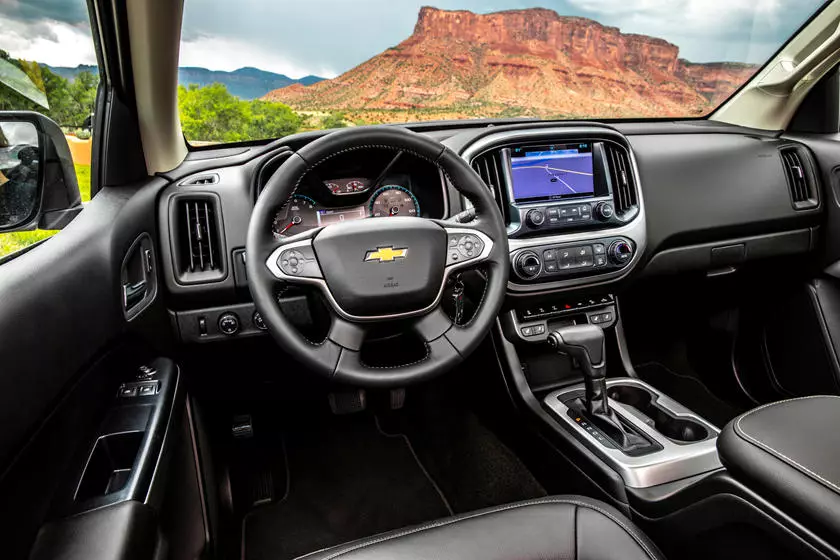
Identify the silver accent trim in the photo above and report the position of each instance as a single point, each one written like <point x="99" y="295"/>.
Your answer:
<point x="674" y="462"/>
<point x="271" y="264"/>
<point x="212" y="175"/>
<point x="636" y="230"/>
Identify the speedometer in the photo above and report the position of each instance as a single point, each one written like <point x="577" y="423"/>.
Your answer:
<point x="297" y="215"/>
<point x="393" y="200"/>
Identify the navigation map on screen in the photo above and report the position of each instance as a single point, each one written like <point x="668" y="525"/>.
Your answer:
<point x="558" y="172"/>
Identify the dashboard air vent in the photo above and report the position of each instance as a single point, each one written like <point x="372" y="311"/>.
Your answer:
<point x="198" y="239"/>
<point x="489" y="168"/>
<point x="624" y="189"/>
<point x="209" y="179"/>
<point x="800" y="179"/>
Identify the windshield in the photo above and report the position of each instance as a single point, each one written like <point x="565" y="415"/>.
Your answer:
<point x="253" y="69"/>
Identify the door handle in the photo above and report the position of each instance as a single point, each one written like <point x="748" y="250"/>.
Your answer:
<point x="133" y="294"/>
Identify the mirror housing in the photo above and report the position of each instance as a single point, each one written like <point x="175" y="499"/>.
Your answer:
<point x="43" y="189"/>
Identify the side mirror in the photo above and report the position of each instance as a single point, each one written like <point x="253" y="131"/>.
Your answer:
<point x="38" y="187"/>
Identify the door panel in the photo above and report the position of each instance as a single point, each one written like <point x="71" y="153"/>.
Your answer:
<point x="66" y="344"/>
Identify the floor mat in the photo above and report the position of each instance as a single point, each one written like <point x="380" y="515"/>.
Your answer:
<point x="472" y="467"/>
<point x="690" y="392"/>
<point x="346" y="480"/>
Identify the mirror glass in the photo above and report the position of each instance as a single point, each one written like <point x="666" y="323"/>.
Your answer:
<point x="19" y="172"/>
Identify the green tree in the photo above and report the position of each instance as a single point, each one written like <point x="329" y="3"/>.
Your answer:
<point x="82" y="96"/>
<point x="70" y="102"/>
<point x="212" y="114"/>
<point x="333" y="120"/>
<point x="271" y="120"/>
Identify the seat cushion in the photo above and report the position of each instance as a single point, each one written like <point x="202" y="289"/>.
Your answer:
<point x="788" y="452"/>
<point x="558" y="528"/>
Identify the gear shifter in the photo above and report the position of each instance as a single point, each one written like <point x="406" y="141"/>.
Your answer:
<point x="585" y="343"/>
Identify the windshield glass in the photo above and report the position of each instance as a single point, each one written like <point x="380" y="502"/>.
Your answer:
<point x="252" y="69"/>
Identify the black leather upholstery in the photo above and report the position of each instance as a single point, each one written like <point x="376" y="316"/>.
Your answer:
<point x="562" y="527"/>
<point x="789" y="451"/>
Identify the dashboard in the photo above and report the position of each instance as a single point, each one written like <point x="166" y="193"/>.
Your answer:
<point x="587" y="206"/>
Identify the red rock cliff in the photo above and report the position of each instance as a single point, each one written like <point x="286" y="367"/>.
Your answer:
<point x="530" y="61"/>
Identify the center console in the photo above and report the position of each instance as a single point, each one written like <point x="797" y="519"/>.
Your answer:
<point x="572" y="202"/>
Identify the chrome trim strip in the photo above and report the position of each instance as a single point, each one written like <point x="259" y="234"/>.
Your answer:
<point x="271" y="264"/>
<point x="636" y="230"/>
<point x="673" y="462"/>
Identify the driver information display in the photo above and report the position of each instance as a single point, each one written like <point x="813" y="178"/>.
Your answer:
<point x="327" y="217"/>
<point x="552" y="172"/>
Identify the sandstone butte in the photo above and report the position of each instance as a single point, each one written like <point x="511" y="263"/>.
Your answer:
<point x="524" y="62"/>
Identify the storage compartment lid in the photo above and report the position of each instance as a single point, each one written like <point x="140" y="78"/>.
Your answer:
<point x="788" y="452"/>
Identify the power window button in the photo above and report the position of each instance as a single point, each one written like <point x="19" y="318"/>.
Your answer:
<point x="128" y="392"/>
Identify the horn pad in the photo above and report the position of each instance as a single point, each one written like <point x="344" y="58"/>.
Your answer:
<point x="380" y="267"/>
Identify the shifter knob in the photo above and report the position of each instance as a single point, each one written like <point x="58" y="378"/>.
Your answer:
<point x="585" y="343"/>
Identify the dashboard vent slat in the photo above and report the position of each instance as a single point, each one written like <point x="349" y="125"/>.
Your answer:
<point x="624" y="188"/>
<point x="800" y="180"/>
<point x="200" y="236"/>
<point x="489" y="168"/>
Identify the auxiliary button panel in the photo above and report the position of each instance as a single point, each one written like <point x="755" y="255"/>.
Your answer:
<point x="580" y="259"/>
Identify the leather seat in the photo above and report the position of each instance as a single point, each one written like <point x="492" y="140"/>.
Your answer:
<point x="561" y="527"/>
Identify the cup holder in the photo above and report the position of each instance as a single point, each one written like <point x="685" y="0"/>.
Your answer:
<point x="678" y="429"/>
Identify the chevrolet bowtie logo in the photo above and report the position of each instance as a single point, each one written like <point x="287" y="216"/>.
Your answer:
<point x="386" y="254"/>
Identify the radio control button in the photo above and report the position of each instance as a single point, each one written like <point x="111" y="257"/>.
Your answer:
<point x="550" y="255"/>
<point x="604" y="211"/>
<point x="553" y="212"/>
<point x="551" y="266"/>
<point x="535" y="217"/>
<point x="599" y="249"/>
<point x="600" y="260"/>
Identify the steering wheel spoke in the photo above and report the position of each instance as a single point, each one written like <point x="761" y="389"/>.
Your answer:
<point x="346" y="334"/>
<point x="432" y="326"/>
<point x="294" y="261"/>
<point x="465" y="246"/>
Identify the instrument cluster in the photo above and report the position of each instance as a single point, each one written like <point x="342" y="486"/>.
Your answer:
<point x="303" y="212"/>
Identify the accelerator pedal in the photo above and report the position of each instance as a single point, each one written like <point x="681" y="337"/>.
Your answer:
<point x="348" y="402"/>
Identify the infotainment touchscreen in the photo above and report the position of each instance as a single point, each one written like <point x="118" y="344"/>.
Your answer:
<point x="552" y="172"/>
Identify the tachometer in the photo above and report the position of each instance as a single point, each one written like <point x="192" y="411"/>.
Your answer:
<point x="297" y="215"/>
<point x="392" y="200"/>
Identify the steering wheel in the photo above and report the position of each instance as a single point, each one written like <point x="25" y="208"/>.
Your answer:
<point x="380" y="269"/>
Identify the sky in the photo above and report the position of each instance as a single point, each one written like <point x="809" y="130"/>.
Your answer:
<point x="328" y="37"/>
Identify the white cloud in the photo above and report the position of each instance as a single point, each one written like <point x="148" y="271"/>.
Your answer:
<point x="738" y="30"/>
<point x="225" y="53"/>
<point x="47" y="41"/>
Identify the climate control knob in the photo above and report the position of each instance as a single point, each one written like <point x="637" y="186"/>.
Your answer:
<point x="528" y="265"/>
<point x="604" y="211"/>
<point x="535" y="218"/>
<point x="621" y="252"/>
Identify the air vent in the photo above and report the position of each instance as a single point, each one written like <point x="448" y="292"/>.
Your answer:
<point x="209" y="179"/>
<point x="489" y="168"/>
<point x="624" y="189"/>
<point x="800" y="179"/>
<point x="199" y="247"/>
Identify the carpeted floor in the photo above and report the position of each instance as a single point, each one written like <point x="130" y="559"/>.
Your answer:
<point x="352" y="477"/>
<point x="346" y="480"/>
